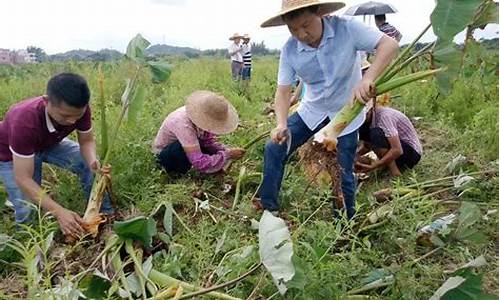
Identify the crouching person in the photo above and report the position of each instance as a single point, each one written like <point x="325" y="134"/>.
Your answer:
<point x="391" y="135"/>
<point x="34" y="131"/>
<point x="188" y="136"/>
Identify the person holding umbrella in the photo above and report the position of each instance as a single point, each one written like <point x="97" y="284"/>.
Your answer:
<point x="379" y="10"/>
<point x="387" y="28"/>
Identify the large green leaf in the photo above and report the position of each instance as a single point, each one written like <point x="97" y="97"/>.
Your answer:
<point x="136" y="47"/>
<point x="446" y="54"/>
<point x="452" y="16"/>
<point x="166" y="209"/>
<point x="487" y="14"/>
<point x="465" y="286"/>
<point x="95" y="286"/>
<point x="275" y="249"/>
<point x="141" y="229"/>
<point x="136" y="104"/>
<point x="160" y="70"/>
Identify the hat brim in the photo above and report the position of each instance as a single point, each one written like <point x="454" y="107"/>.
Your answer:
<point x="324" y="8"/>
<point x="235" y="37"/>
<point x="213" y="126"/>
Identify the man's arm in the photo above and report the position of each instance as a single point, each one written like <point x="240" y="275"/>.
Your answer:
<point x="88" y="149"/>
<point x="389" y="159"/>
<point x="387" y="49"/>
<point x="69" y="221"/>
<point x="281" y="107"/>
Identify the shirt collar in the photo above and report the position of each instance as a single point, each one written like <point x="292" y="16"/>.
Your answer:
<point x="50" y="126"/>
<point x="327" y="34"/>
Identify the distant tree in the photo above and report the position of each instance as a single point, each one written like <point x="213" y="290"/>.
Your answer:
<point x="260" y="49"/>
<point x="40" y="54"/>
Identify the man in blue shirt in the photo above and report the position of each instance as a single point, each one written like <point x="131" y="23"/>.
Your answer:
<point x="323" y="52"/>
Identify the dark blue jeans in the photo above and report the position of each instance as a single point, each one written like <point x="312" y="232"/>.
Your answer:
<point x="275" y="158"/>
<point x="65" y="155"/>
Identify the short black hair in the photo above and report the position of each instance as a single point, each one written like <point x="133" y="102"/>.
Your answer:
<point x="380" y="18"/>
<point x="295" y="13"/>
<point x="69" y="88"/>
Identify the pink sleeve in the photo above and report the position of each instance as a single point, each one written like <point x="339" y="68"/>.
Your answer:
<point x="185" y="133"/>
<point x="206" y="163"/>
<point x="209" y="142"/>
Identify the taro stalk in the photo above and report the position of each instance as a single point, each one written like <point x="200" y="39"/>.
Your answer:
<point x="445" y="55"/>
<point x="328" y="136"/>
<point x="132" y="100"/>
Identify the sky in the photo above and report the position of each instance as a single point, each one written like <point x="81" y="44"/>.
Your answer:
<point x="62" y="25"/>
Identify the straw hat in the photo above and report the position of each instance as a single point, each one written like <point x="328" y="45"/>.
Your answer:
<point x="235" y="36"/>
<point x="211" y="112"/>
<point x="246" y="36"/>
<point x="324" y="8"/>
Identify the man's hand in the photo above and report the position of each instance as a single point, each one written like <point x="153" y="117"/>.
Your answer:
<point x="70" y="222"/>
<point x="236" y="153"/>
<point x="279" y="134"/>
<point x="364" y="91"/>
<point x="95" y="167"/>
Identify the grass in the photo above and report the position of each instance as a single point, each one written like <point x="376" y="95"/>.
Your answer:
<point x="333" y="261"/>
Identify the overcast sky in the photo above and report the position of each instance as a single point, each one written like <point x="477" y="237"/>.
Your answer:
<point x="62" y="25"/>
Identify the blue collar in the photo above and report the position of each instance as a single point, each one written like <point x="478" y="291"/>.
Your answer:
<point x="327" y="34"/>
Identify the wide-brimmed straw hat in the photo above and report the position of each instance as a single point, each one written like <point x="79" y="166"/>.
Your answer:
<point x="235" y="36"/>
<point x="324" y="8"/>
<point x="246" y="36"/>
<point x="211" y="112"/>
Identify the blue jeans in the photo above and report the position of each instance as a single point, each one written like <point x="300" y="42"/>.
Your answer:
<point x="275" y="158"/>
<point x="65" y="155"/>
<point x="246" y="73"/>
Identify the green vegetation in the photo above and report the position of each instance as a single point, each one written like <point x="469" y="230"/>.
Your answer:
<point x="183" y="237"/>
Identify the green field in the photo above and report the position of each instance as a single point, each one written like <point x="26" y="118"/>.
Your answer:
<point x="333" y="259"/>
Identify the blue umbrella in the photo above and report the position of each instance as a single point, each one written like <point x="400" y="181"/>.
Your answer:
<point x="370" y="8"/>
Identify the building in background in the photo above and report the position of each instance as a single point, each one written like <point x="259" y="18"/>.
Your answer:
<point x="15" y="57"/>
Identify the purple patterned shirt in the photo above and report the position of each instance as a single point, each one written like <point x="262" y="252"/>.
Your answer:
<point x="178" y="127"/>
<point x="390" y="31"/>
<point x="395" y="123"/>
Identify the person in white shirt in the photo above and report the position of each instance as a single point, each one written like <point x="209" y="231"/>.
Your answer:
<point x="236" y="53"/>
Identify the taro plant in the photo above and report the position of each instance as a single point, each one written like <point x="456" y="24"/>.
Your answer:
<point x="132" y="101"/>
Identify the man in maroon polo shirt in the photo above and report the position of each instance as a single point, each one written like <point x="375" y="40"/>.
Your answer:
<point x="34" y="131"/>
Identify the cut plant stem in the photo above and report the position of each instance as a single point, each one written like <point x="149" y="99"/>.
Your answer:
<point x="396" y="70"/>
<point x="238" y="187"/>
<point x="101" y="182"/>
<point x="223" y="285"/>
<point x="426" y="255"/>
<point x="348" y="113"/>
<point x="373" y="285"/>
<point x="401" y="56"/>
<point x="164" y="280"/>
<point x="256" y="140"/>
